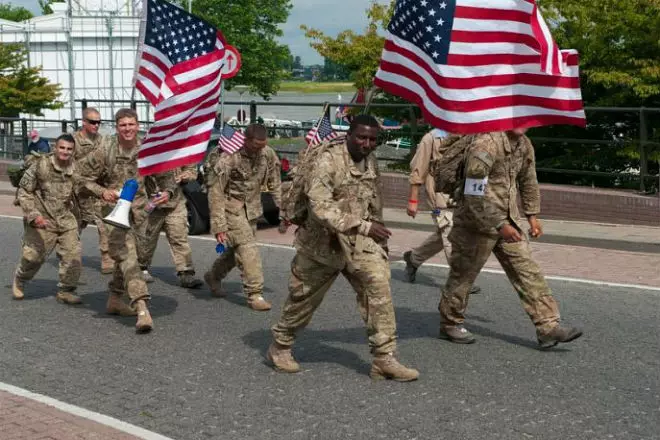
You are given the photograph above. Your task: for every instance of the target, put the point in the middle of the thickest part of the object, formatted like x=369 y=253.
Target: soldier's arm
x=322 y=204
x=216 y=194
x=26 y=198
x=166 y=182
x=187 y=173
x=274 y=178
x=528 y=183
x=419 y=165
x=91 y=169
x=376 y=203
x=479 y=163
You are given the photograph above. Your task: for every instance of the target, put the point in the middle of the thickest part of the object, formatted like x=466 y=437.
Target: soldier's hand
x=110 y=196
x=221 y=237
x=161 y=198
x=284 y=226
x=40 y=222
x=412 y=209
x=510 y=234
x=379 y=232
x=535 y=228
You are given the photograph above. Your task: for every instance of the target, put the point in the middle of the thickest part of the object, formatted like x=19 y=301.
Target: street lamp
x=241 y=89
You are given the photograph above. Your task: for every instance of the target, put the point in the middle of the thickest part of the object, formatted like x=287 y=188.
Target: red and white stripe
x=503 y=71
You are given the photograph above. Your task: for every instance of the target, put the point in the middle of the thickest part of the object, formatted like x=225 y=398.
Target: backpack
x=294 y=200
x=448 y=170
x=16 y=173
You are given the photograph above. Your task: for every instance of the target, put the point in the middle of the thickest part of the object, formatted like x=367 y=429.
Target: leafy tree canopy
x=14 y=13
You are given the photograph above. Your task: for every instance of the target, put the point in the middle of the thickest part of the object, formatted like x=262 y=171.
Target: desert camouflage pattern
x=509 y=167
x=46 y=190
x=344 y=198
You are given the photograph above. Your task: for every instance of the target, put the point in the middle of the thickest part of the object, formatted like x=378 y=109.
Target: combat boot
x=107 y=263
x=146 y=276
x=559 y=334
x=282 y=359
x=258 y=303
x=385 y=366
x=115 y=306
x=144 y=322
x=17 y=289
x=68 y=298
x=215 y=286
x=187 y=279
x=457 y=334
x=411 y=270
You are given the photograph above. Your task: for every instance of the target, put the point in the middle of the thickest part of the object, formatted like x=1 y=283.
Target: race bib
x=475 y=187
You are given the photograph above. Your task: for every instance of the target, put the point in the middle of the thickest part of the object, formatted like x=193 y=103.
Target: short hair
x=65 y=137
x=367 y=120
x=125 y=113
x=256 y=131
x=89 y=110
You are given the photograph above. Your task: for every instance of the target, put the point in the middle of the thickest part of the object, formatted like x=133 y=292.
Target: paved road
x=201 y=374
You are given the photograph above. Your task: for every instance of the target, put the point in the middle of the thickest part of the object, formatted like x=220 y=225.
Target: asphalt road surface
x=202 y=373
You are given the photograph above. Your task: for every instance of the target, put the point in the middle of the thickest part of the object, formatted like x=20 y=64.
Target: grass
x=317 y=87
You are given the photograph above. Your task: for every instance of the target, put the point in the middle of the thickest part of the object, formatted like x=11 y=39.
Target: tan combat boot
x=107 y=263
x=187 y=279
x=258 y=303
x=144 y=322
x=385 y=366
x=17 y=289
x=214 y=285
x=282 y=359
x=68 y=298
x=115 y=306
x=559 y=334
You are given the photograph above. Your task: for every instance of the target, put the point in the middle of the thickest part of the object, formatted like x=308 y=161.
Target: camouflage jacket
x=344 y=199
x=46 y=190
x=110 y=166
x=84 y=145
x=187 y=173
x=236 y=182
x=427 y=152
x=496 y=170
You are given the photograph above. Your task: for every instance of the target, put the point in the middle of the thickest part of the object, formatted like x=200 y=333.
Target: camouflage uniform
x=171 y=217
x=88 y=205
x=428 y=151
x=109 y=167
x=46 y=190
x=344 y=198
x=234 y=190
x=496 y=170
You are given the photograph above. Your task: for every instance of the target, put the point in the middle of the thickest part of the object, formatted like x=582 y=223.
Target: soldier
x=428 y=151
x=105 y=171
x=497 y=166
x=343 y=233
x=172 y=218
x=234 y=193
x=87 y=140
x=45 y=193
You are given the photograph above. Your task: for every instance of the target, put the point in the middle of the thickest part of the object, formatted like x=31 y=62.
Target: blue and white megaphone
x=119 y=216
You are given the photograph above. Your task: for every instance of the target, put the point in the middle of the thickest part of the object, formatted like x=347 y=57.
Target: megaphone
x=119 y=216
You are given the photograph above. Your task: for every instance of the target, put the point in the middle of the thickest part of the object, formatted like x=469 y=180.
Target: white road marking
x=84 y=413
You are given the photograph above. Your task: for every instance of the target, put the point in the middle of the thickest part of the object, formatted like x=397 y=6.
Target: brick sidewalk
x=26 y=419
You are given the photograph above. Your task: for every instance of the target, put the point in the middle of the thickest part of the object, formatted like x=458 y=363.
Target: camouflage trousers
x=470 y=252
x=244 y=253
x=436 y=242
x=127 y=277
x=174 y=222
x=37 y=246
x=309 y=282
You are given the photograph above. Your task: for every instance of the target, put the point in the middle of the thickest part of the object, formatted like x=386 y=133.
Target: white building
x=89 y=48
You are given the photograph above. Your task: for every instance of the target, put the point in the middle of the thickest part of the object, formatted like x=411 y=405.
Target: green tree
x=14 y=13
x=23 y=89
x=252 y=26
x=45 y=5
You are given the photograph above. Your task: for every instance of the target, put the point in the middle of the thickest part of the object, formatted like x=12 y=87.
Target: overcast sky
x=329 y=16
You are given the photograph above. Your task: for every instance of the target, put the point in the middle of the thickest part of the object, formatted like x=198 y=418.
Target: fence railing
x=641 y=129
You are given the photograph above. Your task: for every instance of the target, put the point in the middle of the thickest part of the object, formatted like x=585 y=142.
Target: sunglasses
x=94 y=121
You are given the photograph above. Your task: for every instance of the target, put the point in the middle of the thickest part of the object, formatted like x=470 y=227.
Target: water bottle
x=149 y=208
x=436 y=212
x=220 y=248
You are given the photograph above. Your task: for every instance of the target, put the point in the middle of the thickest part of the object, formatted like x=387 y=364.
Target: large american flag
x=178 y=71
x=231 y=140
x=321 y=132
x=480 y=65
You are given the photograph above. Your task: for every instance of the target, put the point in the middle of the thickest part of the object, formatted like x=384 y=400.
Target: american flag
x=231 y=140
x=178 y=71
x=321 y=132
x=480 y=65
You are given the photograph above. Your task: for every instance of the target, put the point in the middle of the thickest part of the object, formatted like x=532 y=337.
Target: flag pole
x=222 y=104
